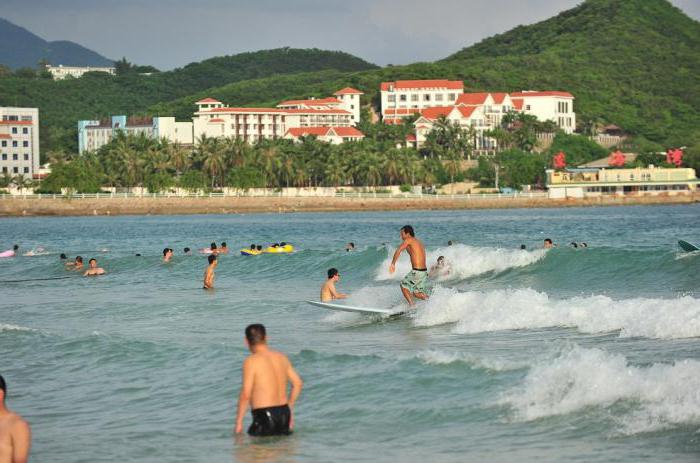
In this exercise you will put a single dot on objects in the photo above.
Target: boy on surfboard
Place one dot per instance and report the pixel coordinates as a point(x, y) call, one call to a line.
point(328, 291)
point(415, 283)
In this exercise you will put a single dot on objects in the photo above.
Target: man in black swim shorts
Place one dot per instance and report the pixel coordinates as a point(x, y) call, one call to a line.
point(265, 376)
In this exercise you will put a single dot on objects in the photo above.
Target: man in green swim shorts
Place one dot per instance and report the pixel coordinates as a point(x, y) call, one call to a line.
point(415, 283)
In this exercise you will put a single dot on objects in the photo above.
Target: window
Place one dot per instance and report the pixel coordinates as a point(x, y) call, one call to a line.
point(4, 144)
point(527, 107)
point(392, 99)
point(26, 170)
point(15, 170)
point(26, 157)
point(414, 97)
point(14, 157)
point(426, 97)
point(25, 144)
point(4, 170)
point(4, 156)
point(25, 130)
point(352, 106)
point(438, 97)
point(14, 129)
point(402, 97)
point(452, 96)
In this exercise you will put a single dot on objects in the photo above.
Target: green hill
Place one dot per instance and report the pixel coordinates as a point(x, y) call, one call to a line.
point(95, 95)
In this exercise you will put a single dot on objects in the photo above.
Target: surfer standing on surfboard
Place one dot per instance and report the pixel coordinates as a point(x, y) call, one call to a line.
point(415, 283)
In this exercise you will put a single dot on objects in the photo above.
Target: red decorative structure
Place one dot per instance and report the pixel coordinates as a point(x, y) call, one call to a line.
point(617, 159)
point(674, 157)
point(559, 160)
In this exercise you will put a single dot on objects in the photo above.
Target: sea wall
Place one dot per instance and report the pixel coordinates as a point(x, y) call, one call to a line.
point(237, 205)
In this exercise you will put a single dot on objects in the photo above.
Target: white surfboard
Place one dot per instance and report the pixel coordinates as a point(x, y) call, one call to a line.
point(347, 308)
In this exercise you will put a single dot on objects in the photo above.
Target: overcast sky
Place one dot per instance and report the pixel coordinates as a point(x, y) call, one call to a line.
point(172, 33)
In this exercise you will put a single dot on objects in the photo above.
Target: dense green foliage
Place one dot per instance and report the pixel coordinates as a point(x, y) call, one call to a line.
point(20, 48)
point(96, 95)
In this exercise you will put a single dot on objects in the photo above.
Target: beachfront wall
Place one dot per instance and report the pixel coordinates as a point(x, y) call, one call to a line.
point(649, 181)
point(19, 141)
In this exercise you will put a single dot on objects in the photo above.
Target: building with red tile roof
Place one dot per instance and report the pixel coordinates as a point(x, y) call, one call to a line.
point(417, 94)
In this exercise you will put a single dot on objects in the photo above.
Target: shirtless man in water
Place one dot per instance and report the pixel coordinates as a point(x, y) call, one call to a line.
point(265, 376)
point(15, 434)
point(94, 270)
point(328, 291)
point(209, 272)
point(415, 283)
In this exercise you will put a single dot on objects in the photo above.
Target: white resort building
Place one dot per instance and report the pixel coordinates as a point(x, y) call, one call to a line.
point(483, 111)
point(214, 119)
point(93, 134)
point(19, 141)
point(60, 72)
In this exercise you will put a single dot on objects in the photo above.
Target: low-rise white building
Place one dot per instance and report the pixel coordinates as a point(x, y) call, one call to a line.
point(332, 135)
point(94, 134)
point(416, 94)
point(60, 72)
point(214, 119)
point(19, 141)
point(548, 106)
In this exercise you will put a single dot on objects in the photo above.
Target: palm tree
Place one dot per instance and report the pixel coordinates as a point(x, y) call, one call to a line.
point(392, 165)
point(178, 157)
point(211, 153)
point(335, 171)
point(5, 179)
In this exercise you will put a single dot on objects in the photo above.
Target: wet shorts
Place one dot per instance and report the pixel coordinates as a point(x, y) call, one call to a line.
point(416, 281)
point(270, 421)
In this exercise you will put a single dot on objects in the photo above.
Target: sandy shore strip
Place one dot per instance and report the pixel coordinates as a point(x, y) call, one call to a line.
point(232, 205)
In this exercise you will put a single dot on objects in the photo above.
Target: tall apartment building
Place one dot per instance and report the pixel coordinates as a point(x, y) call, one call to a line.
point(402, 98)
point(60, 72)
point(19, 141)
point(93, 134)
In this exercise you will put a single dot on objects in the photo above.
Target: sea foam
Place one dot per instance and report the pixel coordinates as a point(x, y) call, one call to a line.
point(659, 396)
point(465, 261)
point(511, 309)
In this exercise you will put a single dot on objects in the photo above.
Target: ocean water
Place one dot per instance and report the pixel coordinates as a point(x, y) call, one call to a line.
point(563, 355)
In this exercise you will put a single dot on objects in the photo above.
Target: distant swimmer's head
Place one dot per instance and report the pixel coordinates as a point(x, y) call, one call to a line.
point(223, 244)
point(63, 256)
point(255, 334)
point(3, 388)
point(78, 260)
point(276, 245)
point(283, 243)
point(441, 261)
point(449, 243)
point(523, 247)
point(15, 247)
point(547, 243)
point(167, 251)
point(350, 246)
point(333, 274)
point(137, 254)
point(92, 262)
point(212, 246)
point(252, 246)
point(574, 244)
point(211, 258)
point(187, 250)
point(259, 247)
point(584, 245)
point(407, 231)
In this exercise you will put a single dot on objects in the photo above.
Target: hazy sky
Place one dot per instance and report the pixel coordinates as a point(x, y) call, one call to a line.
point(172, 33)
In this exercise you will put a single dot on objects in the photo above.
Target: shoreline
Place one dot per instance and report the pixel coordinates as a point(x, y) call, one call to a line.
point(24, 207)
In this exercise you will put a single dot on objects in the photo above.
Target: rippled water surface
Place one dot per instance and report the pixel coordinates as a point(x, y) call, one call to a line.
point(570, 354)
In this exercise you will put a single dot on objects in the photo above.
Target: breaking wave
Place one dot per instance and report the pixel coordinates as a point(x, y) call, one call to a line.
point(512, 309)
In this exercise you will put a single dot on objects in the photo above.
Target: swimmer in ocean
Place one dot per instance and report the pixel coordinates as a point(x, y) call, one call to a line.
point(415, 283)
point(187, 251)
point(15, 433)
point(224, 248)
point(440, 269)
point(167, 254)
point(328, 290)
point(266, 374)
point(209, 272)
point(94, 270)
point(10, 252)
point(350, 247)
point(548, 243)
point(77, 264)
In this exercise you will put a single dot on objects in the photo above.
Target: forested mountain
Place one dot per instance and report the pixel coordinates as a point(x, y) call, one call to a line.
point(21, 48)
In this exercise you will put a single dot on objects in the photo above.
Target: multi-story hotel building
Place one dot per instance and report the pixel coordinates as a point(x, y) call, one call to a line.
point(548, 106)
point(19, 141)
point(214, 119)
point(400, 97)
point(60, 72)
point(92, 135)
